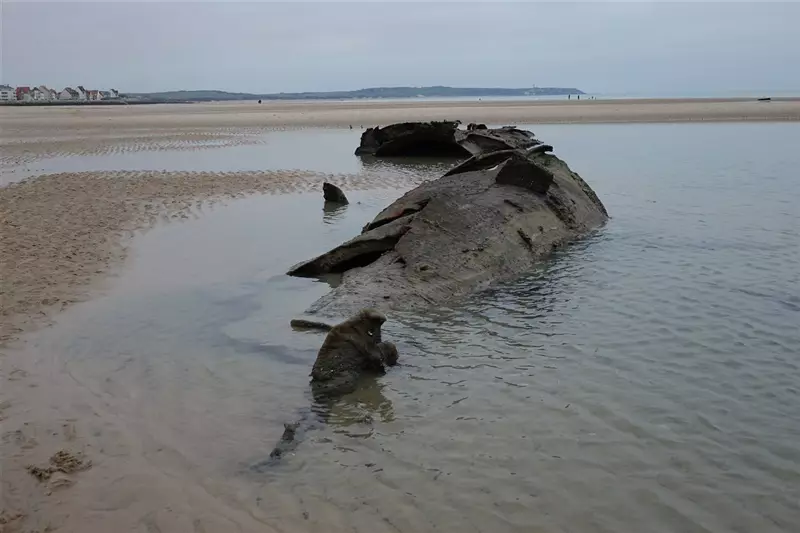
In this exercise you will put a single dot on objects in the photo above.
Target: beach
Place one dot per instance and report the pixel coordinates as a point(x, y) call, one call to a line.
point(32, 132)
point(81, 186)
point(29, 133)
point(65, 229)
point(21, 120)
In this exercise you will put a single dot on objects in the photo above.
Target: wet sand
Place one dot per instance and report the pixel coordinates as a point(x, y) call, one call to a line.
point(30, 133)
point(358, 113)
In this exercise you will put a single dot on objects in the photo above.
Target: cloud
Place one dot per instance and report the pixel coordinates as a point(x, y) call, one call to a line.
point(622, 47)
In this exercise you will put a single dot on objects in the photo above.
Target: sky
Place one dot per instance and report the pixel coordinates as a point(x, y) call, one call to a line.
point(644, 47)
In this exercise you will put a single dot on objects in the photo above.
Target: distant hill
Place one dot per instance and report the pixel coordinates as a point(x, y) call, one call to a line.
point(375, 92)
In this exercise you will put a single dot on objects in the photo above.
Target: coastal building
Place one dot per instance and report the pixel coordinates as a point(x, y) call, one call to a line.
point(24, 94)
point(69, 94)
point(43, 93)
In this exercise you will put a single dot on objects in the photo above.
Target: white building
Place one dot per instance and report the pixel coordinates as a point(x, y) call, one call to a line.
point(83, 94)
point(42, 93)
point(7, 94)
point(68, 94)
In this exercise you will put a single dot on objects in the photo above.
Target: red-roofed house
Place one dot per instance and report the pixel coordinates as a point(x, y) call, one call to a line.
point(24, 94)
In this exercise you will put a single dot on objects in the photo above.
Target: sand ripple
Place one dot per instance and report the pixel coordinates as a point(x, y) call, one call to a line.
point(23, 150)
point(59, 232)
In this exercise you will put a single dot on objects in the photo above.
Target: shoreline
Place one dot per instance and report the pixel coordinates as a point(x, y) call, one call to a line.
point(54, 252)
point(63, 238)
point(31, 208)
point(432, 100)
point(22, 120)
point(32, 133)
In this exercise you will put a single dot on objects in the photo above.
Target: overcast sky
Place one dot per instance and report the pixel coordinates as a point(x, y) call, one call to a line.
point(626, 47)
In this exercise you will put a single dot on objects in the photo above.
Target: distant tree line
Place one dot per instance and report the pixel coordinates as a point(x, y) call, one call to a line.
point(375, 92)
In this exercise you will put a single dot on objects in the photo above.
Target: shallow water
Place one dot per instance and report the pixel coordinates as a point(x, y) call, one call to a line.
point(319, 150)
point(646, 378)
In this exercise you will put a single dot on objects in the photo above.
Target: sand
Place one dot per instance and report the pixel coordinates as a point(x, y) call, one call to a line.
point(62, 235)
point(29, 133)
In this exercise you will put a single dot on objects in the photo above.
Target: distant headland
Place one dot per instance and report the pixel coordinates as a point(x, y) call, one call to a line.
point(370, 93)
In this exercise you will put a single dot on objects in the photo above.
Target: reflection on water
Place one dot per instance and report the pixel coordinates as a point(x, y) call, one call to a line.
point(366, 405)
point(333, 213)
point(434, 165)
point(644, 379)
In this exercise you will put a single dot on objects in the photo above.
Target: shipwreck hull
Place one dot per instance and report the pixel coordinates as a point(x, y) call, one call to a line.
point(491, 218)
point(440, 139)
